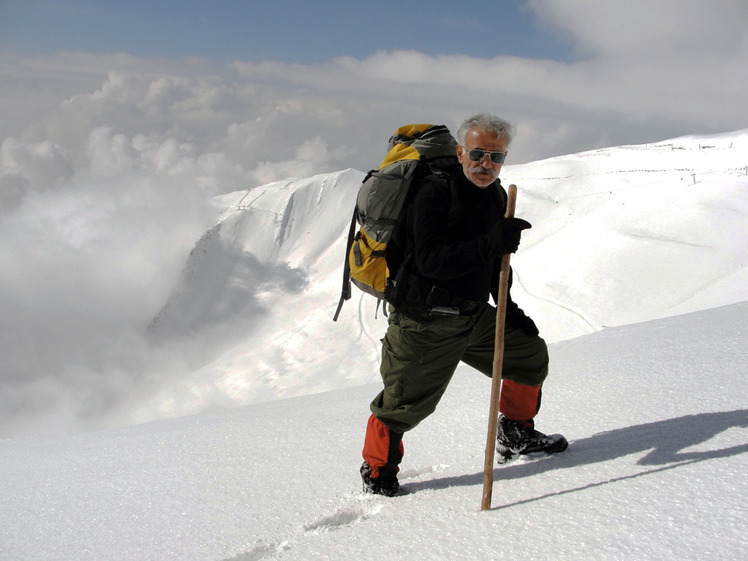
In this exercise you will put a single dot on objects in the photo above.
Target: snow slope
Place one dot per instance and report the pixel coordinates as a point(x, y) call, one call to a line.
point(637, 232)
point(655, 413)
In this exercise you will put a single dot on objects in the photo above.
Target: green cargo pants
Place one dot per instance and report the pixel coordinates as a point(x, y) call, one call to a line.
point(420, 354)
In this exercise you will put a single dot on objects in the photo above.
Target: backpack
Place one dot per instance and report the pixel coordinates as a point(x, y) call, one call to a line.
point(413, 152)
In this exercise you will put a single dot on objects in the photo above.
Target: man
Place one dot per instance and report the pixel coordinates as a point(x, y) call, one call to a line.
point(452, 241)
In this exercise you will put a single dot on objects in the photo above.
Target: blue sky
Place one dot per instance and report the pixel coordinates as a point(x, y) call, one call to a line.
point(292, 31)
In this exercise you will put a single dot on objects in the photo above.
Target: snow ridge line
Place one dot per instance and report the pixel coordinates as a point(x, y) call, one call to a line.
point(740, 170)
point(588, 320)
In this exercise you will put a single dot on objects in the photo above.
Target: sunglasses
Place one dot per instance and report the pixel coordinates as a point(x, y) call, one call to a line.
point(477, 155)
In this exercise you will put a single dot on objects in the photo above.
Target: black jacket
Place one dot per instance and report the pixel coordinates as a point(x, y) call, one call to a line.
point(446, 242)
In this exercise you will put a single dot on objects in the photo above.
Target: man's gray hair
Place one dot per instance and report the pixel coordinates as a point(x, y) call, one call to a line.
point(485, 122)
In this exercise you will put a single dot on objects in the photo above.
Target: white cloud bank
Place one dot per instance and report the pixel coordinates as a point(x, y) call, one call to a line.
point(646, 71)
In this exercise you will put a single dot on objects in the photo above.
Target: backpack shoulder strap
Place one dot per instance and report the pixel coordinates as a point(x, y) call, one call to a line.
point(345, 293)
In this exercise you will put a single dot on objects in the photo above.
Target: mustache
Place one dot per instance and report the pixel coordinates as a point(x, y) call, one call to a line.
point(481, 170)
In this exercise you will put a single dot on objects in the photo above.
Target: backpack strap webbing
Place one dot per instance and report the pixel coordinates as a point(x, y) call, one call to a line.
point(345, 293)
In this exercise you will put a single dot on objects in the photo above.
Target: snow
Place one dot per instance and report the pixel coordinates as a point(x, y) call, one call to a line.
point(655, 413)
point(635, 273)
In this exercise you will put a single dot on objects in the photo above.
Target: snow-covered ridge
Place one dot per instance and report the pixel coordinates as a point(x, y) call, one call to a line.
point(268, 240)
point(620, 235)
point(635, 232)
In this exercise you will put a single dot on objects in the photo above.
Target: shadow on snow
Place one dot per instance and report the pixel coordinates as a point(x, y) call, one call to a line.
point(665, 443)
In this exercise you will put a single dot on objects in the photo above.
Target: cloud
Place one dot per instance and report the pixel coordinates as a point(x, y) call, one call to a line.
point(91, 246)
point(654, 31)
point(675, 64)
point(630, 84)
point(25, 166)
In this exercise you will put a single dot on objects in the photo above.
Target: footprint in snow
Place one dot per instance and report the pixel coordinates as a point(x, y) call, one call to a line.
point(343, 517)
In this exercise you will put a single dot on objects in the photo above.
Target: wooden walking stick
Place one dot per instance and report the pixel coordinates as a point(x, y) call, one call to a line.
point(498, 359)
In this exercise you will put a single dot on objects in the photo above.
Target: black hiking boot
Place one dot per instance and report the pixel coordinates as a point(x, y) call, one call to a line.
point(385, 484)
point(517, 439)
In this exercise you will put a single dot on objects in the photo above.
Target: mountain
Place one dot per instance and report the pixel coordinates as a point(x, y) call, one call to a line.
point(620, 235)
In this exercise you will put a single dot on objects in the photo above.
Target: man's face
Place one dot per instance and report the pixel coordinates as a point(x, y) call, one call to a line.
point(483, 172)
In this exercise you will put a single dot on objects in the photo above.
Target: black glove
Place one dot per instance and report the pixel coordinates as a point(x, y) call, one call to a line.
point(506, 233)
point(517, 318)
